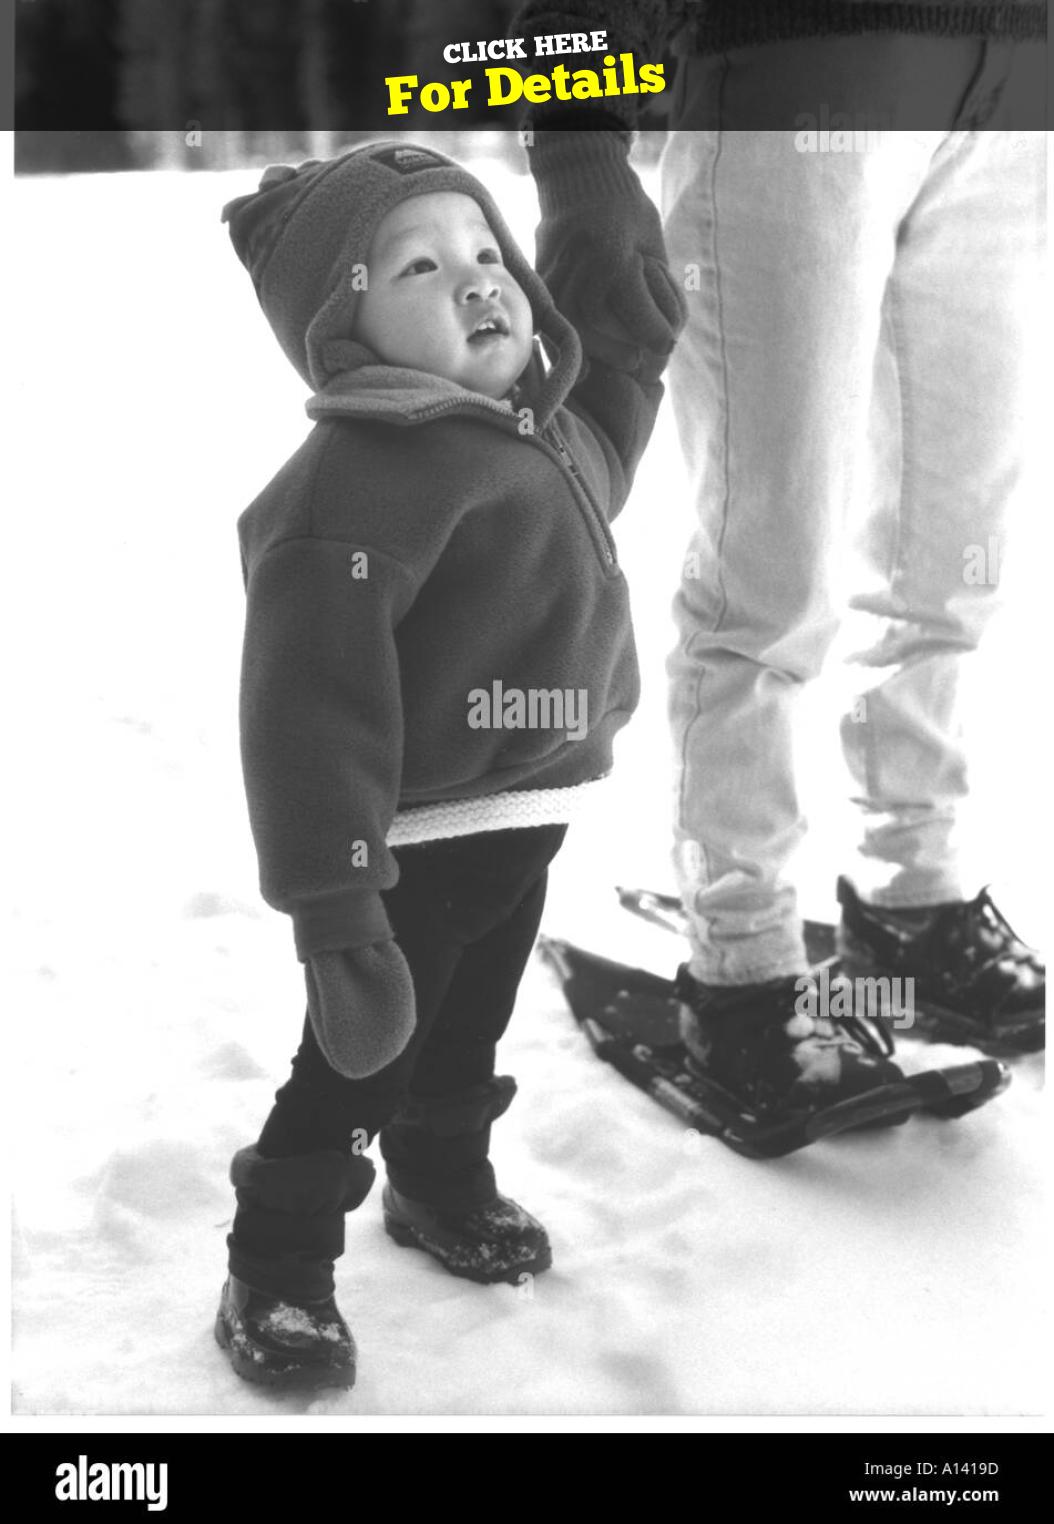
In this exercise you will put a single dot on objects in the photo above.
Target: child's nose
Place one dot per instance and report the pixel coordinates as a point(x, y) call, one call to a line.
point(479, 286)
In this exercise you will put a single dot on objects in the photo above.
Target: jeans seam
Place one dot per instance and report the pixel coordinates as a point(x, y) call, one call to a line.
point(723, 351)
point(703, 870)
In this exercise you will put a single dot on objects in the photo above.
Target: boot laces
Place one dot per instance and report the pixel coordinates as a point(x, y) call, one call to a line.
point(984, 928)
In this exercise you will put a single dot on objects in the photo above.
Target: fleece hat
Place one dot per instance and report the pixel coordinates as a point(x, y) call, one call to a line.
point(305, 233)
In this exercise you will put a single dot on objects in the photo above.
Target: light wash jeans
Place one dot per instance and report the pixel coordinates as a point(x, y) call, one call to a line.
point(860, 320)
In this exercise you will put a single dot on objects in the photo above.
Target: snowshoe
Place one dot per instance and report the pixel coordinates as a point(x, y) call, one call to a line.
point(633, 1020)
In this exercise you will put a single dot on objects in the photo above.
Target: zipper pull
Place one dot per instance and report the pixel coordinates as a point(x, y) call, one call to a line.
point(565, 455)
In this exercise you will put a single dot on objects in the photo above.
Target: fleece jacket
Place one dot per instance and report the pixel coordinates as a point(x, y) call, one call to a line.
point(422, 546)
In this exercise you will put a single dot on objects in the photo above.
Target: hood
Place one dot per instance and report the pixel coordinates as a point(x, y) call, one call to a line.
point(304, 236)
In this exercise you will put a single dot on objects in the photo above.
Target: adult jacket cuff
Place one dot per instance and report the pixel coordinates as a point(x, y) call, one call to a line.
point(570, 168)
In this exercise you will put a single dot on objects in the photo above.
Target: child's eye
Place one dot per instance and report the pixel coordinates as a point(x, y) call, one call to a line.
point(489, 257)
point(420, 266)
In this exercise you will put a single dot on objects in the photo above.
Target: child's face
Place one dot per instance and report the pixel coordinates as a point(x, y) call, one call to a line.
point(439, 298)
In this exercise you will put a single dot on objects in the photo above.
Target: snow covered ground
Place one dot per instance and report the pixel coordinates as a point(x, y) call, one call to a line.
point(157, 1000)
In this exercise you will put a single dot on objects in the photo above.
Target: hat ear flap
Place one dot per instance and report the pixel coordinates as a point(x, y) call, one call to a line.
point(333, 356)
point(329, 335)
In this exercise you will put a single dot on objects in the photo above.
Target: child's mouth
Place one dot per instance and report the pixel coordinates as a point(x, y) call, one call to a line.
point(493, 326)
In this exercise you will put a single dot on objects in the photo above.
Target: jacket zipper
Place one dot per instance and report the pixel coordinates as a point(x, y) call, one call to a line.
point(555, 448)
point(600, 521)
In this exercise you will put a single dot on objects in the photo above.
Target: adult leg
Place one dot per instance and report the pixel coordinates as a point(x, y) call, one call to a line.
point(771, 383)
point(953, 377)
point(951, 395)
point(792, 235)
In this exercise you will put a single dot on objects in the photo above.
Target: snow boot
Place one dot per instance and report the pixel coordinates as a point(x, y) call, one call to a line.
point(974, 980)
point(769, 1053)
point(278, 1320)
point(442, 1196)
point(495, 1242)
point(279, 1343)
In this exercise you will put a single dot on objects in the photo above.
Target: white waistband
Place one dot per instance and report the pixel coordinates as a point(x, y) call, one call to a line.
point(496, 812)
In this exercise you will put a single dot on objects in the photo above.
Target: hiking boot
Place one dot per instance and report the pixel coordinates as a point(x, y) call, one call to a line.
point(278, 1343)
point(774, 1050)
point(496, 1242)
point(974, 980)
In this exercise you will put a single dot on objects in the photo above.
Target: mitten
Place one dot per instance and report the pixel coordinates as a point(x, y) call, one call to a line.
point(601, 252)
point(360, 1002)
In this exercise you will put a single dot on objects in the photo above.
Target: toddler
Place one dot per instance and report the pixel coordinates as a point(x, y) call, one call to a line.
point(438, 654)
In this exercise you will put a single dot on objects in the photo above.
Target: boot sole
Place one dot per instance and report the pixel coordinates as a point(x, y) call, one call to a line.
point(288, 1376)
point(410, 1238)
point(937, 1023)
point(726, 1109)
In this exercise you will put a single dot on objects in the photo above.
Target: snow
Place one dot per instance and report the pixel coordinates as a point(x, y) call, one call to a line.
point(898, 1275)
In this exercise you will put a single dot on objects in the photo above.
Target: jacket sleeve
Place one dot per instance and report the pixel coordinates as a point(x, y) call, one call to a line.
point(600, 251)
point(322, 734)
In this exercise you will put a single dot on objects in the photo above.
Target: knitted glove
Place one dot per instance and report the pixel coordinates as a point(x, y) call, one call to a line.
point(600, 250)
point(360, 1002)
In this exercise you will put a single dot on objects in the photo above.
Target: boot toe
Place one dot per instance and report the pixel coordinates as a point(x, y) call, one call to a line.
point(499, 1241)
point(279, 1343)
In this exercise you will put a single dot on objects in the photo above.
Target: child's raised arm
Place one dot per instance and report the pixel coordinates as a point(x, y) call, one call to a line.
point(600, 251)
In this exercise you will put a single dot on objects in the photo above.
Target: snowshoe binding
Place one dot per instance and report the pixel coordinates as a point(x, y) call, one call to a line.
point(759, 1050)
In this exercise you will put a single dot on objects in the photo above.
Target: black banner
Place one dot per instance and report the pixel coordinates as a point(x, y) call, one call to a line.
point(810, 1473)
point(201, 66)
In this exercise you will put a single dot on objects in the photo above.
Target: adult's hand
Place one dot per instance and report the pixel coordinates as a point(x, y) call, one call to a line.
point(600, 248)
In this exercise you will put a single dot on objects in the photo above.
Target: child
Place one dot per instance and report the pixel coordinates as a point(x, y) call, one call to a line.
point(437, 656)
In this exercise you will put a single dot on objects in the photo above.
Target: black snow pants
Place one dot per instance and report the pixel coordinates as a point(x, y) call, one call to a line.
point(465, 913)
